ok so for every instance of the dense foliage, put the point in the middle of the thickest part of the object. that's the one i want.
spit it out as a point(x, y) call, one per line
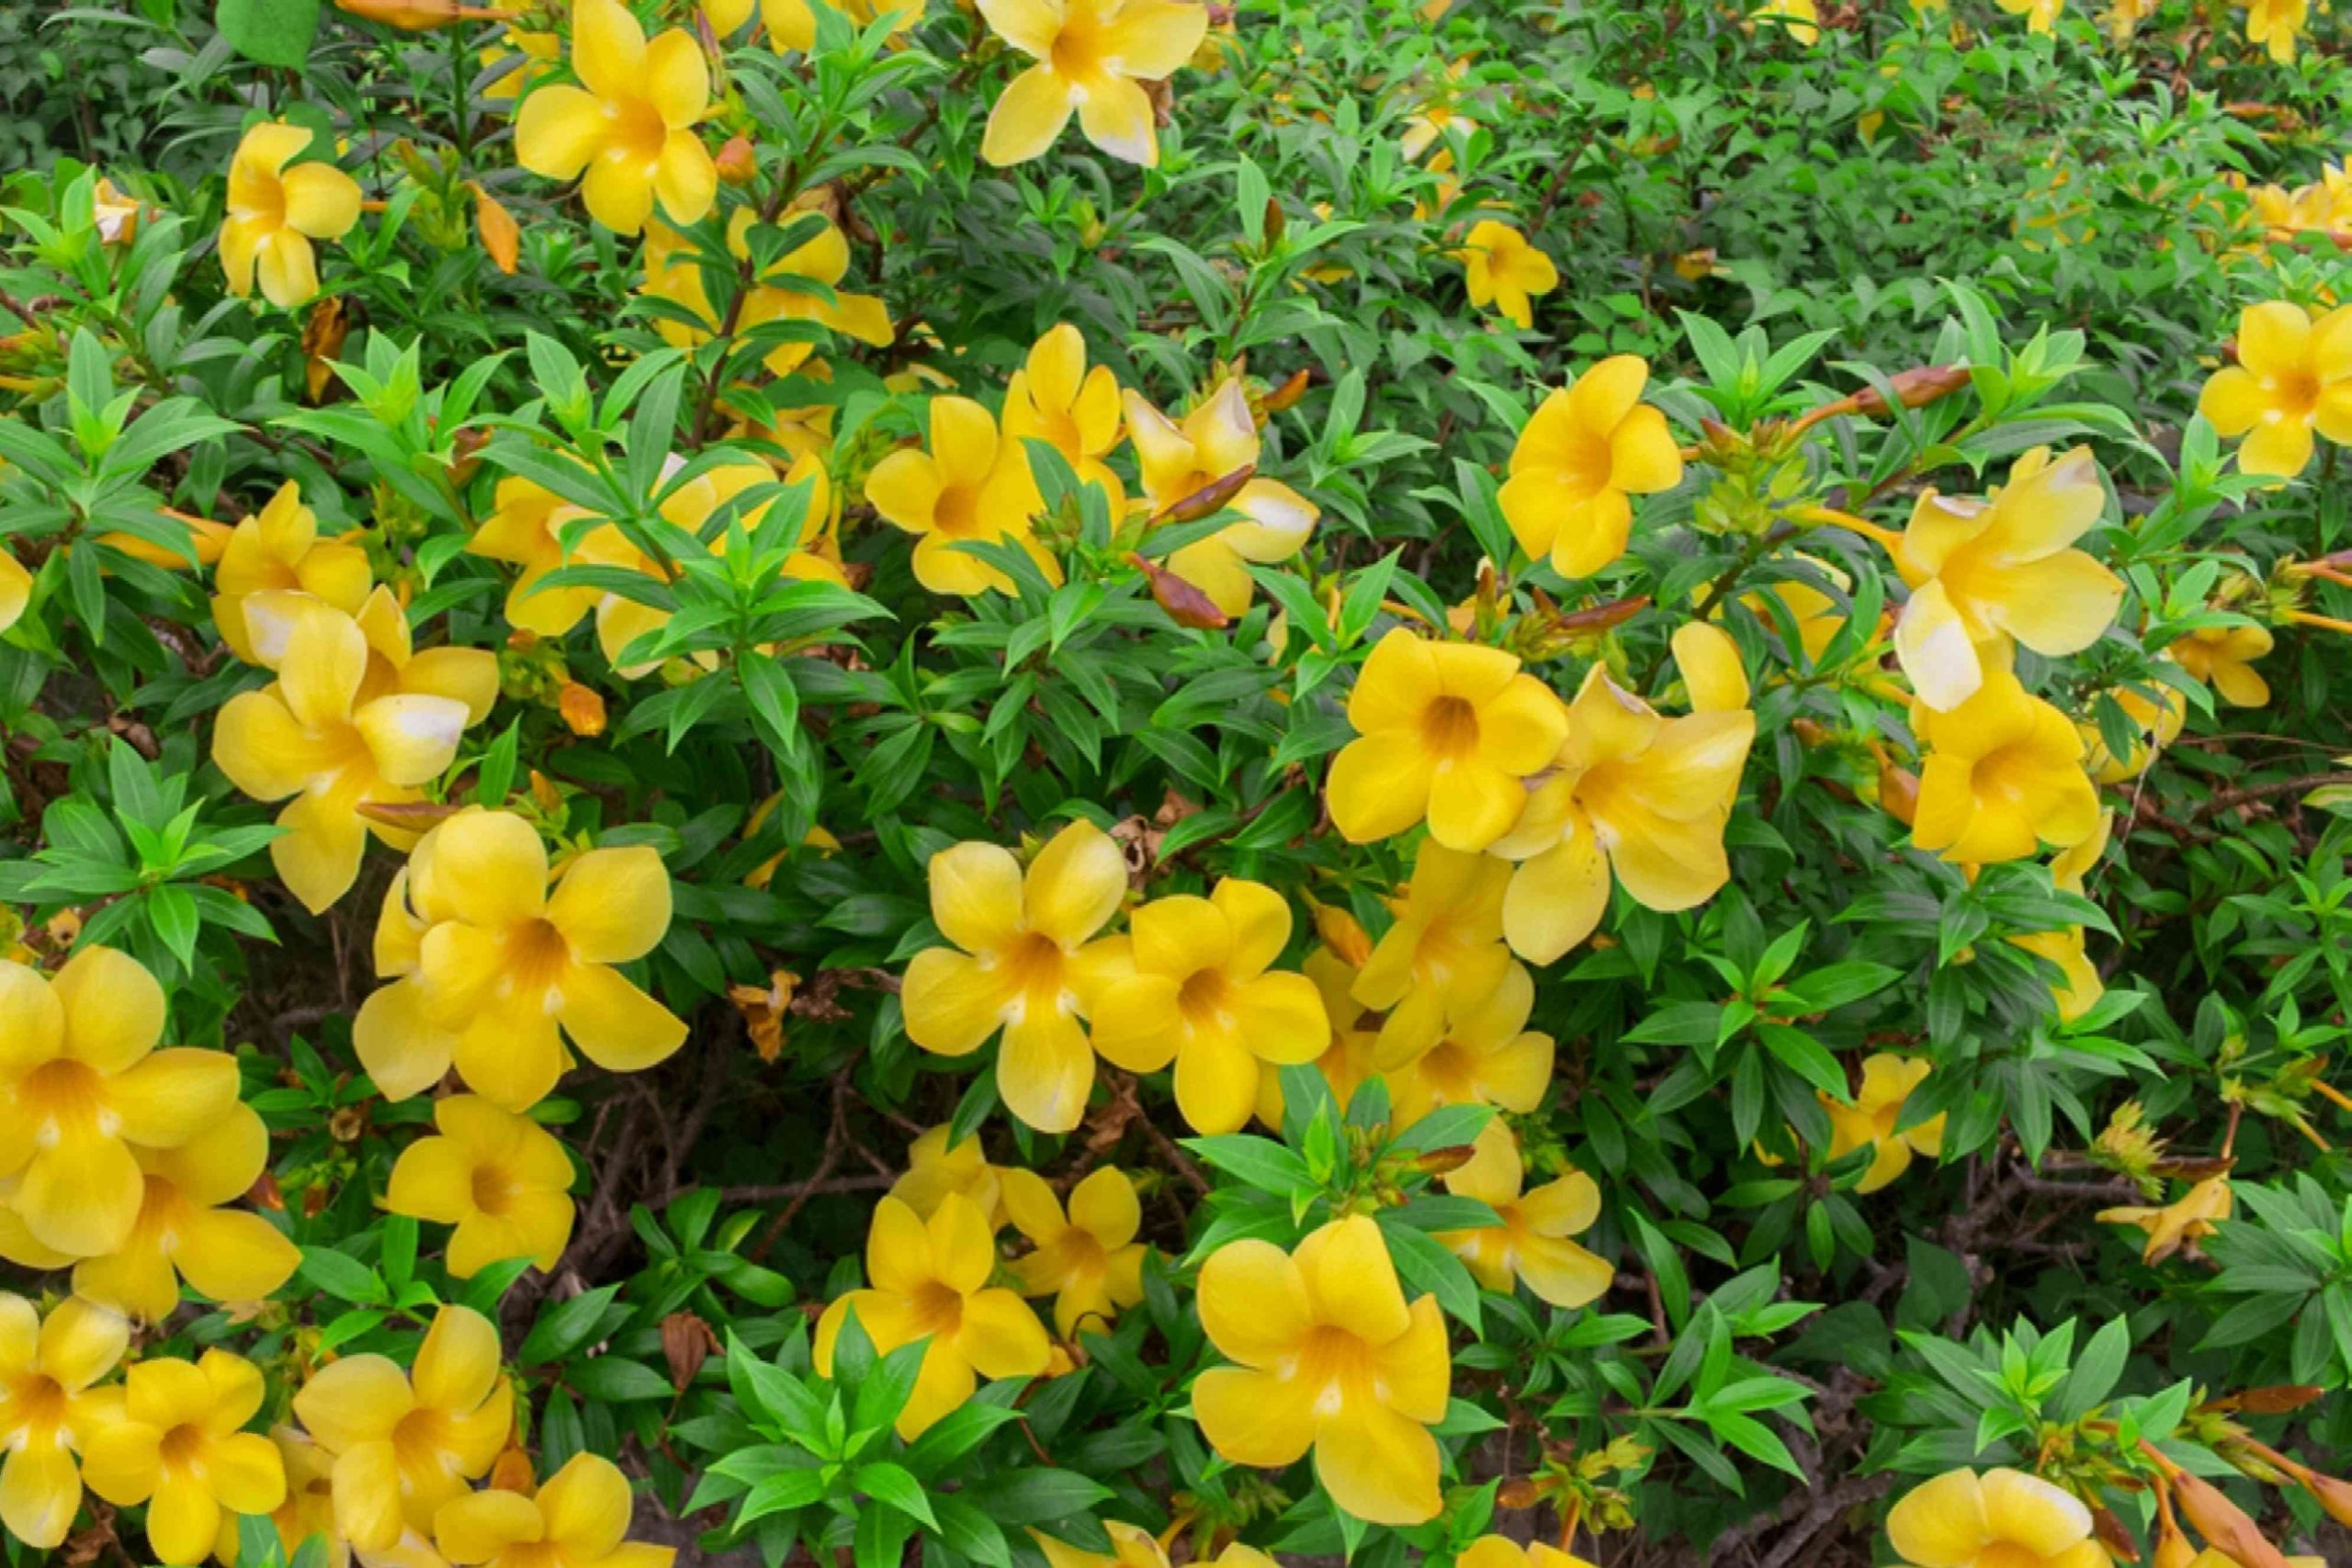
point(1130, 780)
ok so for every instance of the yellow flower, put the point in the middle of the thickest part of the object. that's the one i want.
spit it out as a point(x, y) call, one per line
point(1446, 731)
point(1089, 1259)
point(1347, 1061)
point(673, 273)
point(80, 1083)
point(501, 1179)
point(1501, 1551)
point(1987, 575)
point(275, 212)
point(934, 1170)
point(1487, 1055)
point(2003, 1519)
point(526, 527)
point(2155, 722)
point(1800, 18)
point(314, 734)
point(971, 485)
point(629, 126)
point(536, 55)
point(1428, 127)
point(579, 1518)
point(1443, 958)
point(176, 1447)
point(2294, 377)
point(1636, 794)
point(406, 1443)
point(1331, 1359)
point(487, 965)
point(2078, 986)
point(792, 24)
point(1503, 270)
point(2004, 773)
point(1093, 57)
point(2223, 656)
point(16, 590)
point(1218, 440)
point(1819, 617)
point(931, 1278)
point(1532, 1243)
point(2183, 1221)
point(1887, 1081)
point(1132, 1546)
point(1592, 443)
point(2276, 25)
point(1021, 961)
point(309, 1509)
point(48, 1412)
point(1193, 984)
point(279, 548)
point(1056, 398)
point(2041, 16)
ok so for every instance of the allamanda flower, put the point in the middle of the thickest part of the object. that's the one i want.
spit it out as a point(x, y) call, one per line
point(526, 527)
point(407, 1442)
point(501, 1179)
point(1987, 575)
point(1869, 1122)
point(934, 1170)
point(309, 735)
point(2003, 1519)
point(275, 211)
point(1443, 959)
point(1087, 1260)
point(577, 1519)
point(629, 124)
point(971, 486)
point(1638, 798)
point(1347, 1061)
point(48, 1411)
point(673, 273)
point(1331, 1359)
point(1591, 445)
point(1093, 57)
point(1532, 1243)
point(2078, 986)
point(930, 1279)
point(2293, 378)
point(2183, 1221)
point(178, 1446)
point(792, 24)
point(279, 548)
point(1487, 1055)
point(2223, 656)
point(1445, 731)
point(1202, 454)
point(309, 1509)
point(2004, 775)
point(2040, 16)
point(1054, 398)
point(493, 971)
point(1503, 270)
point(1193, 983)
point(2278, 26)
point(81, 1084)
point(1021, 962)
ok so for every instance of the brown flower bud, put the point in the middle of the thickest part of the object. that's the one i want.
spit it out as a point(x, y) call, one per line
point(1601, 617)
point(322, 334)
point(502, 237)
point(1898, 791)
point(2113, 1534)
point(465, 454)
point(2274, 1399)
point(2334, 1495)
point(266, 1194)
point(686, 1343)
point(1185, 604)
point(1438, 1162)
point(1290, 391)
point(1518, 1492)
point(1209, 499)
point(1917, 386)
point(511, 1472)
point(2224, 1525)
point(582, 708)
point(738, 163)
point(1813, 732)
point(409, 816)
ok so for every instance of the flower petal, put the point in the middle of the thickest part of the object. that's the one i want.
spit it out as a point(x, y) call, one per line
point(615, 1025)
point(612, 906)
point(1028, 116)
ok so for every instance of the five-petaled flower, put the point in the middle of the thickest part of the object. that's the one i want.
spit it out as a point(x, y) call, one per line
point(630, 123)
point(1870, 1121)
point(48, 1410)
point(275, 211)
point(1532, 1243)
point(1212, 456)
point(2004, 775)
point(2003, 1519)
point(577, 1519)
point(1091, 58)
point(1503, 270)
point(178, 1446)
point(1591, 445)
point(1088, 1258)
point(2223, 656)
point(501, 1179)
point(2293, 378)
point(972, 486)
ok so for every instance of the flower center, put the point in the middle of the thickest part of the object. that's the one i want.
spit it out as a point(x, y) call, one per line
point(1449, 727)
point(2008, 1554)
point(1203, 997)
point(492, 1190)
point(637, 130)
point(1077, 55)
point(938, 1308)
point(66, 1098)
point(182, 1449)
point(1337, 1365)
point(1586, 461)
point(1032, 964)
point(1445, 1068)
point(2296, 393)
point(538, 953)
point(32, 1409)
point(956, 512)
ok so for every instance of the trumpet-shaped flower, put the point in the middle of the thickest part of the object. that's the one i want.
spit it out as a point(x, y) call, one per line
point(1193, 984)
point(278, 548)
point(1532, 1243)
point(1869, 1122)
point(1986, 575)
point(1487, 1055)
point(1591, 445)
point(1087, 1260)
point(310, 735)
point(527, 528)
point(309, 1509)
point(2078, 986)
point(1445, 731)
point(930, 1281)
point(2003, 1519)
point(1054, 398)
point(501, 1179)
point(792, 24)
point(184, 1231)
point(1636, 797)
point(2223, 656)
point(407, 1442)
point(2293, 378)
point(2183, 1221)
point(1132, 1546)
point(2004, 775)
point(80, 1083)
point(493, 971)
point(395, 668)
point(971, 486)
point(629, 125)
point(1443, 959)
point(1022, 962)
point(774, 295)
point(934, 1170)
point(1198, 459)
point(1093, 57)
point(47, 1412)
point(275, 211)
point(2278, 26)
point(1505, 272)
point(177, 1445)
point(577, 1519)
point(1331, 1359)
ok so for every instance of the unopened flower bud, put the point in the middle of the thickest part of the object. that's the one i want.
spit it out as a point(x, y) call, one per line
point(1438, 1162)
point(582, 707)
point(2172, 1550)
point(1898, 791)
point(1343, 934)
point(1290, 391)
point(502, 237)
point(511, 1472)
point(2224, 1525)
point(1185, 604)
point(1209, 499)
point(1917, 386)
point(686, 1343)
point(738, 163)
point(1517, 1492)
point(2334, 1495)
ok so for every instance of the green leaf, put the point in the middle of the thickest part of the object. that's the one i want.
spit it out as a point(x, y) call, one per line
point(269, 32)
point(889, 1483)
point(614, 1379)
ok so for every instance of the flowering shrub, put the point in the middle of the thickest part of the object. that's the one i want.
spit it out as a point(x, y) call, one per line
point(1129, 782)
